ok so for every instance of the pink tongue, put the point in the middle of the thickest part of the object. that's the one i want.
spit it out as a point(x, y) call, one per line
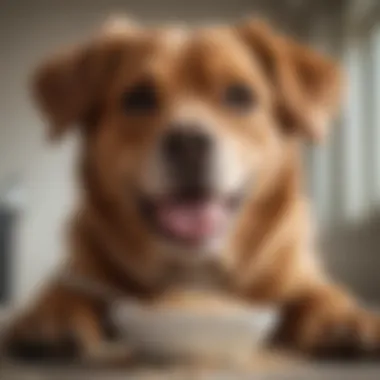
point(191, 221)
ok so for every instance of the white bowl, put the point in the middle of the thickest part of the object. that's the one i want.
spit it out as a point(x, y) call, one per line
point(195, 333)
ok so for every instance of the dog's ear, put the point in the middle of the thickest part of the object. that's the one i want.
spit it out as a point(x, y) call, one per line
point(306, 84)
point(68, 86)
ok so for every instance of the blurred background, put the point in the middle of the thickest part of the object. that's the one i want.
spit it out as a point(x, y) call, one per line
point(37, 186)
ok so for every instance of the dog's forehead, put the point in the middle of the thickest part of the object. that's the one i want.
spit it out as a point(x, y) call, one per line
point(182, 38)
point(174, 38)
point(219, 44)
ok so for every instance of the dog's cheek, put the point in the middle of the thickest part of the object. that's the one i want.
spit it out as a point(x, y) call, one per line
point(153, 179)
point(105, 155)
point(262, 150)
point(243, 149)
point(232, 165)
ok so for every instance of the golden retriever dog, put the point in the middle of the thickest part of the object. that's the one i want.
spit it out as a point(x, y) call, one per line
point(191, 144)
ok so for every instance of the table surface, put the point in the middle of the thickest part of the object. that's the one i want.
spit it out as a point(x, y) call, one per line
point(264, 365)
point(306, 372)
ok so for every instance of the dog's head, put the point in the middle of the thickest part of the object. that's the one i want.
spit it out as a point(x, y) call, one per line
point(183, 125)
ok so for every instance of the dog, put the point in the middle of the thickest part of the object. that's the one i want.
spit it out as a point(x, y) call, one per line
point(191, 157)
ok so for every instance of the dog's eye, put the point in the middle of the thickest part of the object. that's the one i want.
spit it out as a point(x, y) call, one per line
point(239, 96)
point(142, 97)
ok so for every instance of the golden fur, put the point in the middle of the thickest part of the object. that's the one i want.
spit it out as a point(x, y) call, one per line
point(269, 255)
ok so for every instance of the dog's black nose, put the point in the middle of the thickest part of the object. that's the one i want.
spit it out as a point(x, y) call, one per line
point(186, 144)
point(187, 151)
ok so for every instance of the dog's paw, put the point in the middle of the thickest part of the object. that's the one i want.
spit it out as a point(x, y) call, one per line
point(351, 335)
point(335, 332)
point(29, 339)
point(58, 328)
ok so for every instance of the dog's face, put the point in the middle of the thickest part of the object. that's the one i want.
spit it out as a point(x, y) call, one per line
point(183, 126)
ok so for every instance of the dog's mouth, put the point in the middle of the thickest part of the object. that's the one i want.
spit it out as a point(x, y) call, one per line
point(191, 221)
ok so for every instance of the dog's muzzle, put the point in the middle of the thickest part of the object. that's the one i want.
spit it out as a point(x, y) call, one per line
point(192, 209)
point(187, 154)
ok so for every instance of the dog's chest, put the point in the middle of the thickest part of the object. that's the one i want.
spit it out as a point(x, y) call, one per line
point(202, 276)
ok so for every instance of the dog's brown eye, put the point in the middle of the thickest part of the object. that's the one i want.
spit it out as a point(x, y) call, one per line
point(239, 96)
point(142, 97)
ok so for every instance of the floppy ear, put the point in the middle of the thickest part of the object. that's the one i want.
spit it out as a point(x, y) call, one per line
point(69, 86)
point(307, 85)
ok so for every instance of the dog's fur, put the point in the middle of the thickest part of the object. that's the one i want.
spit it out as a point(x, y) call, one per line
point(268, 255)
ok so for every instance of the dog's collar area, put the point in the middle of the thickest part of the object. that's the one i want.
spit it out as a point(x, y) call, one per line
point(89, 287)
point(204, 277)
point(107, 293)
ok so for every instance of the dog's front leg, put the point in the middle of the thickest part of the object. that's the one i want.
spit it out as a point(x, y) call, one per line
point(61, 324)
point(326, 322)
